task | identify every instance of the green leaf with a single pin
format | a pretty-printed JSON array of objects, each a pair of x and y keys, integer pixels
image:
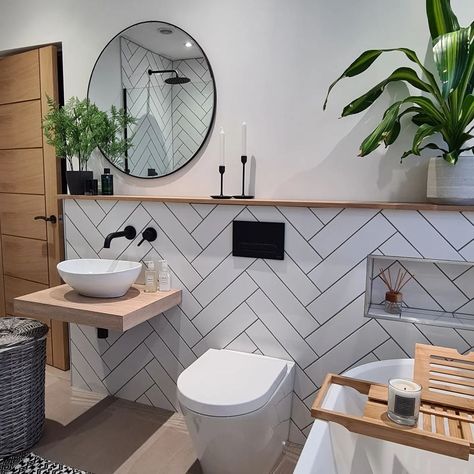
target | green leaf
[
  {"x": 428, "y": 107},
  {"x": 366, "y": 100},
  {"x": 366, "y": 59},
  {"x": 424, "y": 131},
  {"x": 392, "y": 135},
  {"x": 421, "y": 118},
  {"x": 431, "y": 146},
  {"x": 382, "y": 131},
  {"x": 467, "y": 112},
  {"x": 467, "y": 82},
  {"x": 441, "y": 18},
  {"x": 451, "y": 54}
]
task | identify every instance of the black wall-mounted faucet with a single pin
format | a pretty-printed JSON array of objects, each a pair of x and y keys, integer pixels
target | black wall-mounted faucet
[{"x": 129, "y": 233}]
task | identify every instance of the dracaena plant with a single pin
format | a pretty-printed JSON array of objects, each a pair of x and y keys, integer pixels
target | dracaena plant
[{"x": 445, "y": 105}]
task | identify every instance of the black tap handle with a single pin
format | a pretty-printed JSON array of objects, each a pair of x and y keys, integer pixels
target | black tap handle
[
  {"x": 51, "y": 219},
  {"x": 149, "y": 234}
]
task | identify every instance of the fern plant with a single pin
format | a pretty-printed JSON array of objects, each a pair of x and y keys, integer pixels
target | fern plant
[
  {"x": 79, "y": 127},
  {"x": 445, "y": 106}
]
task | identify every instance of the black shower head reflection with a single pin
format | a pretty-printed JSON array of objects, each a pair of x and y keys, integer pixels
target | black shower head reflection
[{"x": 171, "y": 80}]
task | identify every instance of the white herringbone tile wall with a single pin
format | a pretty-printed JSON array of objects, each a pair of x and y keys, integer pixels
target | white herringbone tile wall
[{"x": 308, "y": 307}]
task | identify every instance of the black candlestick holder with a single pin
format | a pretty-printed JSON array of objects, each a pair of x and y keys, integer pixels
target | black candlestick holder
[
  {"x": 221, "y": 195},
  {"x": 243, "y": 159}
]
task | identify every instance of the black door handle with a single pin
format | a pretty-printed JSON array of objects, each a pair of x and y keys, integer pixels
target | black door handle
[{"x": 51, "y": 219}]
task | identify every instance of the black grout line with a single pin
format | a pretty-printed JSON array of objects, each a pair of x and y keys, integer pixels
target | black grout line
[
  {"x": 157, "y": 386},
  {"x": 346, "y": 240},
  {"x": 347, "y": 272},
  {"x": 276, "y": 339},
  {"x": 219, "y": 294},
  {"x": 165, "y": 343},
  {"x": 390, "y": 336},
  {"x": 279, "y": 311},
  {"x": 80, "y": 375},
  {"x": 95, "y": 225},
  {"x": 341, "y": 210},
  {"x": 162, "y": 366},
  {"x": 89, "y": 364},
  {"x": 222, "y": 320},
  {"x": 335, "y": 314},
  {"x": 85, "y": 240},
  {"x": 438, "y": 232},
  {"x": 341, "y": 341},
  {"x": 216, "y": 237}
]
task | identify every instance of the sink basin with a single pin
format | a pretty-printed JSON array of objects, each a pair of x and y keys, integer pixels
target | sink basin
[{"x": 99, "y": 278}]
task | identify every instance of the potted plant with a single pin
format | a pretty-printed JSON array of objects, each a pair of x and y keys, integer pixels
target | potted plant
[
  {"x": 445, "y": 107},
  {"x": 77, "y": 129}
]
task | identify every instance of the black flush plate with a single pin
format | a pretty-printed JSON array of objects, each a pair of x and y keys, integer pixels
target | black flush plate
[{"x": 258, "y": 239}]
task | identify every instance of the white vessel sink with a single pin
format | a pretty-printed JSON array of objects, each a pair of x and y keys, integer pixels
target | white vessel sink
[{"x": 99, "y": 278}]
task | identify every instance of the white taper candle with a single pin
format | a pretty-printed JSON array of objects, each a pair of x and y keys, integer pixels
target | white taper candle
[
  {"x": 222, "y": 146},
  {"x": 244, "y": 139}
]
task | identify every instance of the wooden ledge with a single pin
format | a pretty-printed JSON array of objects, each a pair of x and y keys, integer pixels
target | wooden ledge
[
  {"x": 411, "y": 206},
  {"x": 119, "y": 314}
]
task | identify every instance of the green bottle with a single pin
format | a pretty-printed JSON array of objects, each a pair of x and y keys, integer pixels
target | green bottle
[{"x": 107, "y": 183}]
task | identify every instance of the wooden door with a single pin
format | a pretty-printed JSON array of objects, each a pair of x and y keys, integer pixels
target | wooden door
[{"x": 29, "y": 183}]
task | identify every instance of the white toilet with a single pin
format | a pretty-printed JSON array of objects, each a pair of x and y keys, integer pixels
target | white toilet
[{"x": 237, "y": 408}]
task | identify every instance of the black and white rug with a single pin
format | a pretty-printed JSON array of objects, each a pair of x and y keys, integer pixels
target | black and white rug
[{"x": 29, "y": 463}]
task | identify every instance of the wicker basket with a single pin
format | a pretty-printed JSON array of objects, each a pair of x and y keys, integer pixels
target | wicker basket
[{"x": 22, "y": 371}]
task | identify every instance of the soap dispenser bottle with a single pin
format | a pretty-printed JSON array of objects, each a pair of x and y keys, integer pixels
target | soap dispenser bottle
[
  {"x": 151, "y": 284},
  {"x": 107, "y": 181},
  {"x": 164, "y": 276}
]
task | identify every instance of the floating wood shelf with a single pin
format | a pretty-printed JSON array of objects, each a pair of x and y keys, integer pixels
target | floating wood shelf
[
  {"x": 416, "y": 206},
  {"x": 119, "y": 314}
]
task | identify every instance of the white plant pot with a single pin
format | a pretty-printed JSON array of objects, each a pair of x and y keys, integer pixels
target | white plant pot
[{"x": 451, "y": 184}]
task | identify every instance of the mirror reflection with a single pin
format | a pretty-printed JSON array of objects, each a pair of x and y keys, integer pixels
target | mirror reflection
[{"x": 159, "y": 75}]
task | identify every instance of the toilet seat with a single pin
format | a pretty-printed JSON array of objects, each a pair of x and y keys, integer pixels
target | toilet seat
[{"x": 229, "y": 383}]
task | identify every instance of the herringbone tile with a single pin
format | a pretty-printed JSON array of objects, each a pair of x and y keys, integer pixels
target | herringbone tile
[{"x": 307, "y": 308}]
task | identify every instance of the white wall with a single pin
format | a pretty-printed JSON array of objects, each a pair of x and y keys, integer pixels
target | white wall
[{"x": 273, "y": 60}]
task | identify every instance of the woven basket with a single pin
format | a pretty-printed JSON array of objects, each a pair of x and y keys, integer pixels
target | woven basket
[{"x": 22, "y": 371}]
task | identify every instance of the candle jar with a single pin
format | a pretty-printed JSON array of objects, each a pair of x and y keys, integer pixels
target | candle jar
[
  {"x": 404, "y": 397},
  {"x": 393, "y": 302}
]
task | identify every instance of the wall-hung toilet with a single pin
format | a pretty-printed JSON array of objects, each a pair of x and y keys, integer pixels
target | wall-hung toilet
[{"x": 237, "y": 408}]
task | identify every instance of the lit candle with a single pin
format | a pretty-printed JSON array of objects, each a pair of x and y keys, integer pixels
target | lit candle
[
  {"x": 222, "y": 146},
  {"x": 244, "y": 139},
  {"x": 404, "y": 397}
]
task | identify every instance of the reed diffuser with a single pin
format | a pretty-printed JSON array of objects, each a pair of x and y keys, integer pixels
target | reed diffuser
[{"x": 394, "y": 296}]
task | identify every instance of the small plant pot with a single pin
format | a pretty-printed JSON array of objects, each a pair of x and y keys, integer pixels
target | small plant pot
[
  {"x": 393, "y": 302},
  {"x": 76, "y": 181}
]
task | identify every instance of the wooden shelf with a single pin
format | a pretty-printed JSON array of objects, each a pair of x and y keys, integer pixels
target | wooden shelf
[
  {"x": 417, "y": 206},
  {"x": 119, "y": 314}
]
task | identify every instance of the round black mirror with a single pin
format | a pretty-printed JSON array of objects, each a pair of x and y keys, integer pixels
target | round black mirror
[{"x": 159, "y": 75}]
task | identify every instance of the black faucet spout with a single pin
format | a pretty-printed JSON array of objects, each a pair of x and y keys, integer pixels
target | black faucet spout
[{"x": 129, "y": 233}]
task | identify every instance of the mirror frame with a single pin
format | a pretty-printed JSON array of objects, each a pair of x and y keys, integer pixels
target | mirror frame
[{"x": 213, "y": 117}]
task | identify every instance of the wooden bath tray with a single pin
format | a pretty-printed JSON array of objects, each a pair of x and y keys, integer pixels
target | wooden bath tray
[{"x": 446, "y": 424}]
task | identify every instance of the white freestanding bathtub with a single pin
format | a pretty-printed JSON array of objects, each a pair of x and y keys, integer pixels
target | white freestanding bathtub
[{"x": 331, "y": 449}]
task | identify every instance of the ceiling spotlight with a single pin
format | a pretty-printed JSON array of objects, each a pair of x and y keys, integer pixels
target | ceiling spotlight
[
  {"x": 188, "y": 44},
  {"x": 165, "y": 31}
]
